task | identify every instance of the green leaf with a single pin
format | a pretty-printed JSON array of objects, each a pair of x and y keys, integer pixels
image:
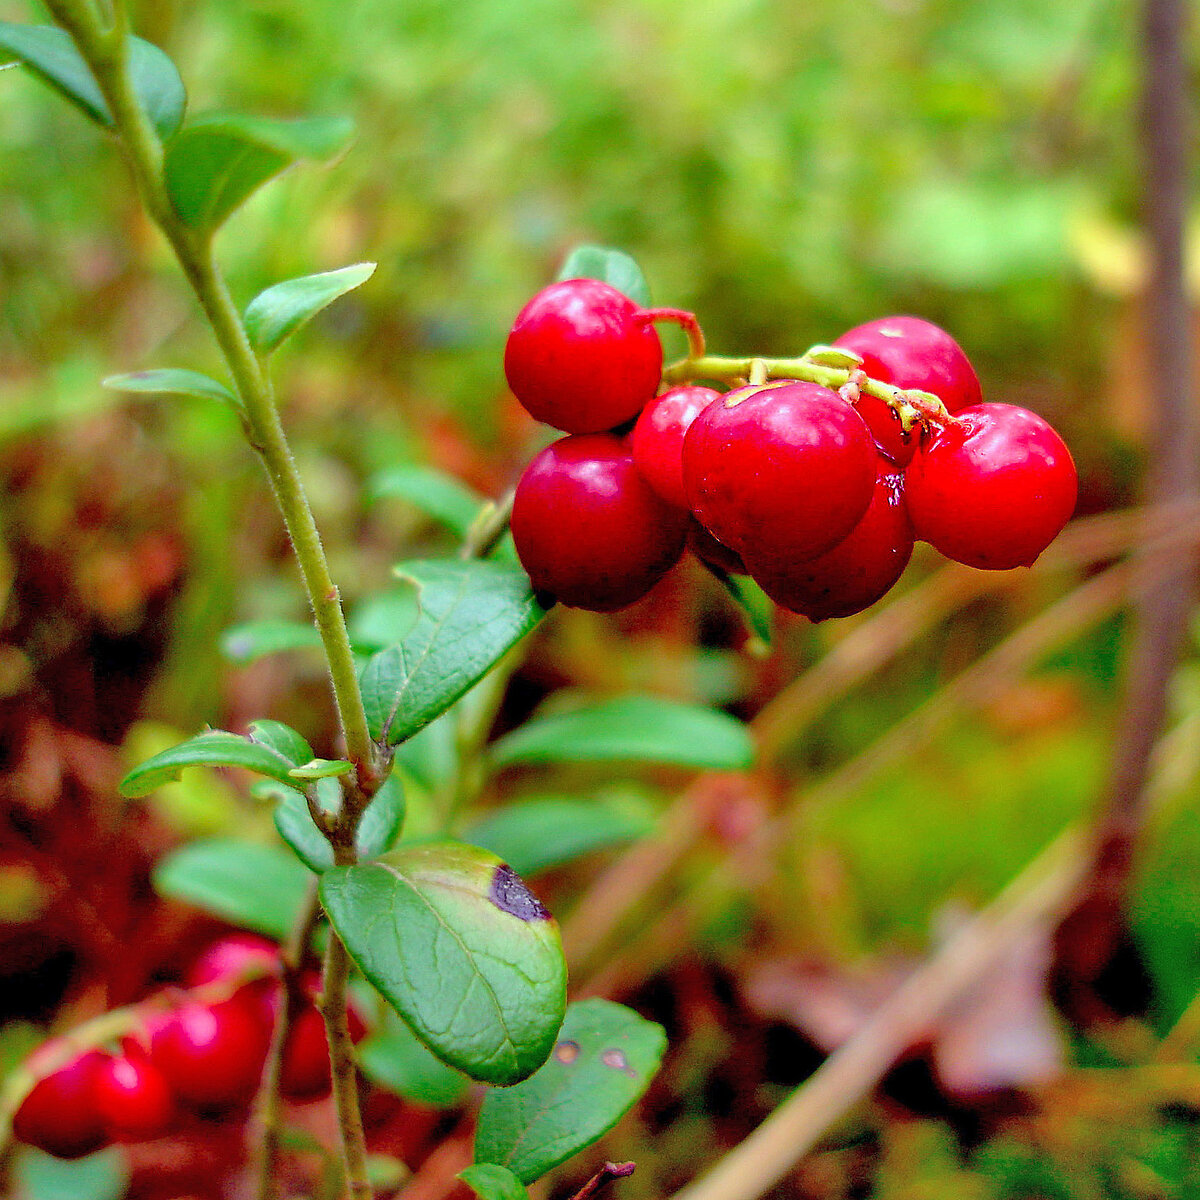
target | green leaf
[
  {"x": 271, "y": 749},
  {"x": 613, "y": 267},
  {"x": 275, "y": 314},
  {"x": 433, "y": 492},
  {"x": 172, "y": 381},
  {"x": 631, "y": 728},
  {"x": 758, "y": 607},
  {"x": 490, "y": 1182},
  {"x": 244, "y": 643},
  {"x": 535, "y": 834},
  {"x": 51, "y": 55},
  {"x": 377, "y": 832},
  {"x": 102, "y": 1176},
  {"x": 396, "y": 1059},
  {"x": 216, "y": 162},
  {"x": 384, "y": 618},
  {"x": 322, "y": 768},
  {"x": 461, "y": 949},
  {"x": 256, "y": 887},
  {"x": 603, "y": 1061},
  {"x": 471, "y": 615}
]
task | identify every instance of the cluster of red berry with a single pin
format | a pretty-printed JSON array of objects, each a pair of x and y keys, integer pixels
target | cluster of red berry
[
  {"x": 194, "y": 1053},
  {"x": 817, "y": 490}
]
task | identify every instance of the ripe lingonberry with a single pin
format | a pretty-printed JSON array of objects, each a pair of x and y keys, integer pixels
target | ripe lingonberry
[
  {"x": 657, "y": 438},
  {"x": 241, "y": 955},
  {"x": 910, "y": 353},
  {"x": 304, "y": 1072},
  {"x": 860, "y": 569},
  {"x": 993, "y": 488},
  {"x": 589, "y": 529},
  {"x": 133, "y": 1097},
  {"x": 212, "y": 1055},
  {"x": 59, "y": 1115},
  {"x": 779, "y": 472},
  {"x": 582, "y": 356}
]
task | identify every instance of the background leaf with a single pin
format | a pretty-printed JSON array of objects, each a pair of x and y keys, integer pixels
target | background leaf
[
  {"x": 275, "y": 314},
  {"x": 377, "y": 832},
  {"x": 471, "y": 615},
  {"x": 172, "y": 381},
  {"x": 603, "y": 1061},
  {"x": 535, "y": 834},
  {"x": 631, "y": 728},
  {"x": 49, "y": 52},
  {"x": 434, "y": 492},
  {"x": 245, "y": 643},
  {"x": 269, "y": 751},
  {"x": 490, "y": 1182},
  {"x": 395, "y": 1058},
  {"x": 461, "y": 949},
  {"x": 254, "y": 886},
  {"x": 102, "y": 1176},
  {"x": 215, "y": 163},
  {"x": 613, "y": 267}
]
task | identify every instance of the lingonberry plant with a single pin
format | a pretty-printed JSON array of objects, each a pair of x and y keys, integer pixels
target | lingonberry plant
[{"x": 812, "y": 474}]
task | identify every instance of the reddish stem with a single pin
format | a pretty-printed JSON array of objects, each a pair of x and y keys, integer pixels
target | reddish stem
[{"x": 685, "y": 320}]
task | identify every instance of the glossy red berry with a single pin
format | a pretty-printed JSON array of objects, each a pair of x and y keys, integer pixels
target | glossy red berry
[
  {"x": 59, "y": 1115},
  {"x": 910, "y": 353},
  {"x": 779, "y": 472},
  {"x": 305, "y": 1073},
  {"x": 581, "y": 357},
  {"x": 992, "y": 489},
  {"x": 589, "y": 529},
  {"x": 133, "y": 1097},
  {"x": 860, "y": 569},
  {"x": 657, "y": 438},
  {"x": 242, "y": 955},
  {"x": 213, "y": 1055}
]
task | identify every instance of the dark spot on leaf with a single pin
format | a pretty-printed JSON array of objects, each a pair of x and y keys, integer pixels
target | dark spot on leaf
[
  {"x": 566, "y": 1052},
  {"x": 509, "y": 894}
]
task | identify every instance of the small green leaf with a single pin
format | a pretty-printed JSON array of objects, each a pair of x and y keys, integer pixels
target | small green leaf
[
  {"x": 471, "y": 615},
  {"x": 758, "y": 607},
  {"x": 631, "y": 728},
  {"x": 275, "y": 314},
  {"x": 536, "y": 834},
  {"x": 322, "y": 768},
  {"x": 433, "y": 492},
  {"x": 51, "y": 55},
  {"x": 172, "y": 381},
  {"x": 215, "y": 163},
  {"x": 396, "y": 1059},
  {"x": 257, "y": 887},
  {"x": 613, "y": 267},
  {"x": 490, "y": 1182},
  {"x": 244, "y": 643},
  {"x": 603, "y": 1061},
  {"x": 102, "y": 1176},
  {"x": 271, "y": 749},
  {"x": 461, "y": 949},
  {"x": 377, "y": 832}
]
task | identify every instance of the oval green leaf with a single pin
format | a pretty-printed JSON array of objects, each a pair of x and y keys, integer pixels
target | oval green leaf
[
  {"x": 631, "y": 729},
  {"x": 275, "y": 314},
  {"x": 322, "y": 768},
  {"x": 490, "y": 1182},
  {"x": 757, "y": 607},
  {"x": 471, "y": 614},
  {"x": 245, "y": 643},
  {"x": 533, "y": 835},
  {"x": 395, "y": 1058},
  {"x": 172, "y": 381},
  {"x": 610, "y": 266},
  {"x": 271, "y": 749},
  {"x": 254, "y": 886},
  {"x": 51, "y": 55},
  {"x": 433, "y": 492},
  {"x": 461, "y": 949},
  {"x": 377, "y": 832},
  {"x": 214, "y": 164},
  {"x": 602, "y": 1062}
]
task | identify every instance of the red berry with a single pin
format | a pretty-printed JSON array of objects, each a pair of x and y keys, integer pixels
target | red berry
[
  {"x": 910, "y": 353},
  {"x": 657, "y": 438},
  {"x": 305, "y": 1071},
  {"x": 581, "y": 357},
  {"x": 241, "y": 955},
  {"x": 993, "y": 488},
  {"x": 589, "y": 529},
  {"x": 779, "y": 472},
  {"x": 213, "y": 1055},
  {"x": 59, "y": 1115},
  {"x": 132, "y": 1097},
  {"x": 860, "y": 569}
]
